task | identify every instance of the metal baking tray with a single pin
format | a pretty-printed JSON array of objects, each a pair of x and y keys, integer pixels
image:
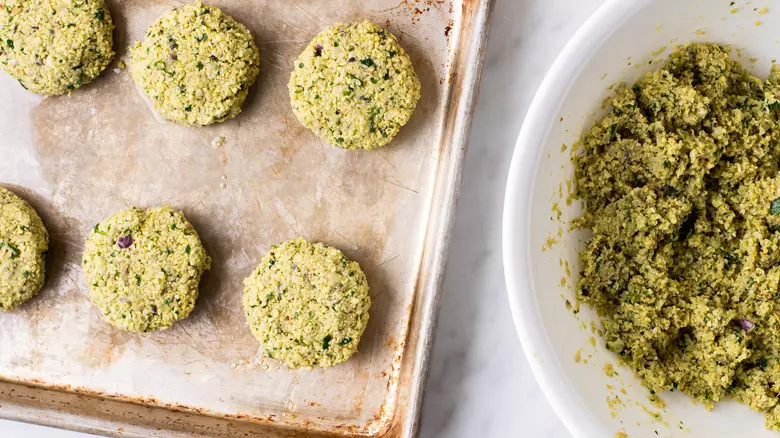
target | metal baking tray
[{"x": 79, "y": 158}]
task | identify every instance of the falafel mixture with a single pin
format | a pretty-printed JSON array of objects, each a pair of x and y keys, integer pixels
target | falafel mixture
[{"x": 681, "y": 183}]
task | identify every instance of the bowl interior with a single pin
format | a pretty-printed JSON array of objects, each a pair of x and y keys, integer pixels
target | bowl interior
[{"x": 621, "y": 42}]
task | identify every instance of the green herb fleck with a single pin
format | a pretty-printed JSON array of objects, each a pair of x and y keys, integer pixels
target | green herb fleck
[
  {"x": 26, "y": 273},
  {"x": 199, "y": 65},
  {"x": 100, "y": 15},
  {"x": 368, "y": 62},
  {"x": 687, "y": 227},
  {"x": 201, "y": 38},
  {"x": 137, "y": 279},
  {"x": 14, "y": 250},
  {"x": 326, "y": 341},
  {"x": 187, "y": 249},
  {"x": 300, "y": 65},
  {"x": 729, "y": 255},
  {"x": 9, "y": 43},
  {"x": 372, "y": 122},
  {"x": 774, "y": 208},
  {"x": 345, "y": 341},
  {"x": 186, "y": 108}
]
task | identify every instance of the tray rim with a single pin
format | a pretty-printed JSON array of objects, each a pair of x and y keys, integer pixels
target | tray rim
[{"x": 447, "y": 192}]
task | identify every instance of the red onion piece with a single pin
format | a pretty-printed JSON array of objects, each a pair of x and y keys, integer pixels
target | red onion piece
[
  {"x": 124, "y": 242},
  {"x": 746, "y": 324}
]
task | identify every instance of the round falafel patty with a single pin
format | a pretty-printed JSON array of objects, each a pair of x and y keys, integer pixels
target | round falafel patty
[
  {"x": 354, "y": 86},
  {"x": 307, "y": 304},
  {"x": 143, "y": 268},
  {"x": 196, "y": 65},
  {"x": 24, "y": 244},
  {"x": 55, "y": 46}
]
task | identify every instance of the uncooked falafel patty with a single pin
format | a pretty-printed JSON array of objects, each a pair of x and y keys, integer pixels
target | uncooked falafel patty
[
  {"x": 55, "y": 46},
  {"x": 196, "y": 65},
  {"x": 143, "y": 268},
  {"x": 24, "y": 244},
  {"x": 354, "y": 86},
  {"x": 307, "y": 304}
]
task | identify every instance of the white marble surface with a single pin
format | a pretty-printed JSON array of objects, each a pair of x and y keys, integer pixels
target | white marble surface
[{"x": 481, "y": 385}]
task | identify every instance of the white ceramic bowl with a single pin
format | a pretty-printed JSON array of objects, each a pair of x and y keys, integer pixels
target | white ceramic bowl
[{"x": 622, "y": 32}]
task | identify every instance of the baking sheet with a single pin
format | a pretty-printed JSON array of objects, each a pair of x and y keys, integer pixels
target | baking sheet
[{"x": 80, "y": 158}]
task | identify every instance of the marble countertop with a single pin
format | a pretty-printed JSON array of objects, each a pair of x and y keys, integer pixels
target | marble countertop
[{"x": 480, "y": 383}]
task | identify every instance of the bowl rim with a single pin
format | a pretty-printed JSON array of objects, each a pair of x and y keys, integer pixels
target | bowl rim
[{"x": 545, "y": 106}]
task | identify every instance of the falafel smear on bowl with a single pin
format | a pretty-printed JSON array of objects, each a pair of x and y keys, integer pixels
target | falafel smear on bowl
[{"x": 676, "y": 148}]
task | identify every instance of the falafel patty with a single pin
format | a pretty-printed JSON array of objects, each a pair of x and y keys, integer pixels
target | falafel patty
[
  {"x": 307, "y": 304},
  {"x": 196, "y": 65},
  {"x": 55, "y": 46},
  {"x": 24, "y": 244},
  {"x": 354, "y": 86},
  {"x": 143, "y": 268}
]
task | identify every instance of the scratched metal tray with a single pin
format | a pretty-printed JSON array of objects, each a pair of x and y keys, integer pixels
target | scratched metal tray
[{"x": 79, "y": 158}]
